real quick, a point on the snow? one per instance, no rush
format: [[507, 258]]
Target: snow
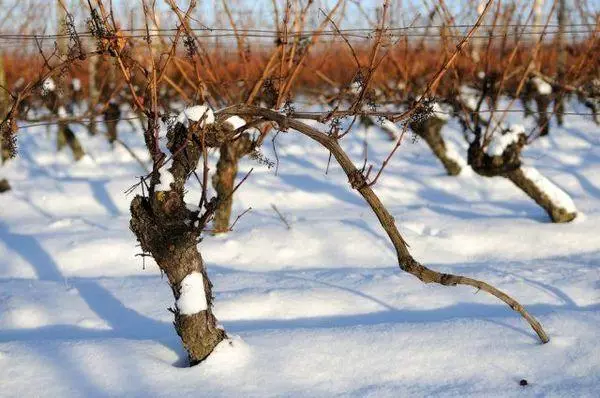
[[391, 127], [62, 112], [441, 112], [500, 142], [76, 83], [236, 122], [165, 178], [195, 113], [542, 86], [321, 309], [192, 299], [469, 97], [48, 85], [559, 197]]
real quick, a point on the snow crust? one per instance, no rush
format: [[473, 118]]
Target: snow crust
[[500, 142], [559, 197], [542, 86], [194, 114], [192, 297]]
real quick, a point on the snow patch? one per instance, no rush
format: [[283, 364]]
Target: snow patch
[[229, 354], [500, 142], [542, 86], [192, 298], [391, 127], [440, 112], [62, 112], [559, 197], [195, 113], [48, 85], [236, 122], [453, 154], [469, 97], [165, 177], [76, 84]]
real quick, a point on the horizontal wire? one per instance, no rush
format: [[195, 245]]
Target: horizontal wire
[[84, 120], [312, 32]]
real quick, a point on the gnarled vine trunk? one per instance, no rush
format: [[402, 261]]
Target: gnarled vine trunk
[[161, 224], [224, 179], [431, 131], [4, 185], [533, 184], [552, 199], [66, 136], [170, 232]]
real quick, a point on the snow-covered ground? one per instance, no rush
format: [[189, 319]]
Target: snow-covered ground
[[320, 309]]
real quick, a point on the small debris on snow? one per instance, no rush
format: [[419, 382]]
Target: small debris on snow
[[236, 122], [559, 197], [195, 113], [192, 297], [500, 142], [542, 86]]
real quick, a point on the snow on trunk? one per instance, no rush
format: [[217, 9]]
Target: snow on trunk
[[192, 298], [557, 203], [195, 113], [500, 142], [559, 197]]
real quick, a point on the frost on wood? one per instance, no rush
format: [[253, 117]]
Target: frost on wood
[[192, 299], [195, 113], [500, 142], [559, 197]]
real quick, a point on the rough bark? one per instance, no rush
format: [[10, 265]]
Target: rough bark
[[161, 225], [543, 120], [65, 136], [357, 181], [4, 185], [224, 179], [111, 118], [557, 214], [431, 131]]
